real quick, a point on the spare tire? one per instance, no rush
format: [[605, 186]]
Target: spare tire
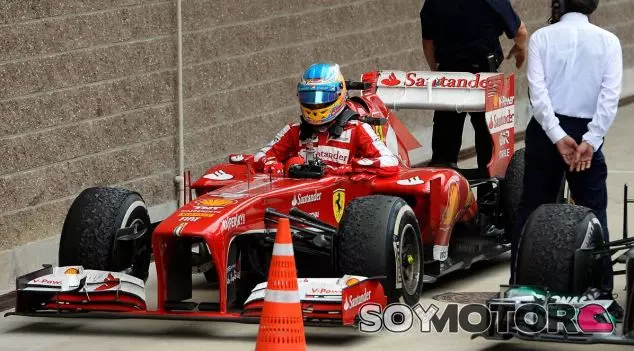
[[378, 236], [89, 232], [547, 246]]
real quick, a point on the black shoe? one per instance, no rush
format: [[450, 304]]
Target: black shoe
[[616, 311]]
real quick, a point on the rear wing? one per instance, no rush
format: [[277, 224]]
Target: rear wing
[[492, 93]]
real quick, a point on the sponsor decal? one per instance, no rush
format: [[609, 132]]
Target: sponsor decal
[[444, 82], [189, 219], [505, 135], [302, 199], [440, 253], [365, 162], [236, 158], [233, 273], [234, 221], [379, 132], [504, 101], [195, 214], [344, 137], [72, 271], [500, 119], [314, 214], [108, 283], [179, 229], [216, 202], [570, 300], [338, 203], [352, 302], [391, 81], [44, 281], [452, 204], [207, 208], [218, 175], [330, 153], [504, 153], [324, 291], [411, 181]]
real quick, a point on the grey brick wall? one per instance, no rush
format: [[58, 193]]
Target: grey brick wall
[[88, 87]]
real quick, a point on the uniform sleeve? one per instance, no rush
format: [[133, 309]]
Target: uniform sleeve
[[609, 95], [538, 92], [427, 17], [280, 148], [372, 152], [510, 19]]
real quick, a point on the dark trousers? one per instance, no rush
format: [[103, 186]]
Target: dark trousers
[[544, 172], [446, 138]]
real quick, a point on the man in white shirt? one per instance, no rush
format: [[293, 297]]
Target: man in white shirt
[[574, 71]]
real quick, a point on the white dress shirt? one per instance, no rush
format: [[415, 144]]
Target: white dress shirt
[[575, 69]]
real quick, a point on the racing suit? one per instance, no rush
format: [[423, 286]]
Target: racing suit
[[357, 149]]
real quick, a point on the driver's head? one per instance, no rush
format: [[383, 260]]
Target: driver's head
[[322, 93]]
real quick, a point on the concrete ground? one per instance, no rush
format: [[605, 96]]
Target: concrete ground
[[112, 335]]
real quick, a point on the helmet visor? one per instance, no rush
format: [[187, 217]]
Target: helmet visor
[[316, 97]]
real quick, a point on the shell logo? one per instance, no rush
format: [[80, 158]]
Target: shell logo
[[216, 202], [352, 281], [71, 271]]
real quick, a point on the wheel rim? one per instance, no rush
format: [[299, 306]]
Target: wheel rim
[[410, 260]]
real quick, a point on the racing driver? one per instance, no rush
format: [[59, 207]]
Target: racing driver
[[330, 128]]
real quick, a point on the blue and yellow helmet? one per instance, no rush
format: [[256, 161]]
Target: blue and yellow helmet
[[322, 93]]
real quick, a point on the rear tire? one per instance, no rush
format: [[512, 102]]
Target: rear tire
[[371, 234], [513, 189], [546, 251], [88, 234]]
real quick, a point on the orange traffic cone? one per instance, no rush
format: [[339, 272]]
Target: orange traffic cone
[[281, 323]]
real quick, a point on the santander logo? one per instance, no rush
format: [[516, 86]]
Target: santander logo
[[391, 81]]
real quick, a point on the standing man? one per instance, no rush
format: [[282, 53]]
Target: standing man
[[574, 72], [463, 36]]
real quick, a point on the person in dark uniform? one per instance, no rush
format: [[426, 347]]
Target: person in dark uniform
[[575, 73], [463, 36]]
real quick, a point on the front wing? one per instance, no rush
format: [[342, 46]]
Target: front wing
[[73, 292]]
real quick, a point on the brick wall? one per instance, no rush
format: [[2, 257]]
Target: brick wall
[[88, 89]]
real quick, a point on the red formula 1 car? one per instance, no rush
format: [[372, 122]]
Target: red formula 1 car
[[357, 239]]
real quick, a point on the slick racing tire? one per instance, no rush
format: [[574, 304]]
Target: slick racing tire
[[513, 189], [379, 237], [628, 321], [547, 246], [89, 232]]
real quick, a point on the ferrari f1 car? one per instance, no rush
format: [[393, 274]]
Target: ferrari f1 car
[[559, 260], [380, 238]]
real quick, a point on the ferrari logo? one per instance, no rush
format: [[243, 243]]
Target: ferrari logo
[[338, 203]]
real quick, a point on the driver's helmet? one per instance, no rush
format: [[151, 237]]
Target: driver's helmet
[[322, 93]]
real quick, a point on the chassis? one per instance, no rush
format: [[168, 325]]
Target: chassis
[[384, 237]]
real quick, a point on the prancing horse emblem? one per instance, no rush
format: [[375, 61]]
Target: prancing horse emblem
[[338, 203]]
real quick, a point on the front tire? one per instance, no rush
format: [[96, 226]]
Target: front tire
[[547, 246], [628, 321], [89, 232], [379, 236]]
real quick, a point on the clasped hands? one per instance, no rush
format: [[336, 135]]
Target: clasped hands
[[578, 157]]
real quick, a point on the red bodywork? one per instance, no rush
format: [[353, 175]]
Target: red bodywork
[[234, 204]]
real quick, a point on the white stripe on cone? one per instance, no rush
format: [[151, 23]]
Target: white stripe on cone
[[281, 296], [283, 250]]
